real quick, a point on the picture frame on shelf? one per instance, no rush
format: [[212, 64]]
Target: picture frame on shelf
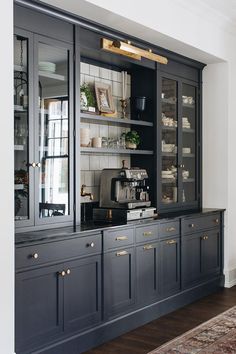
[[87, 98], [104, 98]]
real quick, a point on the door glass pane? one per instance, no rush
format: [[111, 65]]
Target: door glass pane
[[53, 107], [21, 139], [189, 143], [169, 143]]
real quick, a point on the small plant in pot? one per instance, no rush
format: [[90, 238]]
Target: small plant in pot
[[132, 140]]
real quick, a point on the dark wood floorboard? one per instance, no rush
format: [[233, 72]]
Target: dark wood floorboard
[[154, 334]]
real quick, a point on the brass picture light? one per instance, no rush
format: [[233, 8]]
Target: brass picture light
[[127, 49]]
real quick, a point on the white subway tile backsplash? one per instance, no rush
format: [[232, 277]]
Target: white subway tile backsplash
[[113, 161], [94, 70], [114, 75], [94, 162], [84, 162], [103, 131], [84, 68], [116, 89], [89, 178], [105, 73], [119, 77], [81, 79], [97, 175], [112, 132], [94, 130], [89, 79], [103, 161]]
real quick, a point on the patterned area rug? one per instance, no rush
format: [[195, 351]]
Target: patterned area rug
[[216, 336]]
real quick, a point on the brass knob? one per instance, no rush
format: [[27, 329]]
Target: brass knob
[[217, 221], [92, 244], [63, 273], [38, 164], [68, 271], [205, 237], [191, 225], [35, 255], [33, 164]]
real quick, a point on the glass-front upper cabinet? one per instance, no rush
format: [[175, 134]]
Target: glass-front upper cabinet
[[53, 105], [22, 151], [178, 135]]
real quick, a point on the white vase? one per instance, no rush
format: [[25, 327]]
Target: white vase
[[130, 145]]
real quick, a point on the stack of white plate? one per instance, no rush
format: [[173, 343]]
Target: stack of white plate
[[167, 174], [47, 66]]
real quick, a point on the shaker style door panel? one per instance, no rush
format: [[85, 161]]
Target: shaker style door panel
[[191, 259], [53, 134], [82, 293], [211, 255], [118, 281], [170, 266], [39, 306], [147, 261]]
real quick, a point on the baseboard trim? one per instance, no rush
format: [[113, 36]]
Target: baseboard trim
[[118, 326], [230, 278]]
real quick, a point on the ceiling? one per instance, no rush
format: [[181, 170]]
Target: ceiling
[[226, 8]]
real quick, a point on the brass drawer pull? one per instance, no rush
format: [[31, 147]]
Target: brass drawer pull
[[62, 274], [147, 247], [170, 229], [147, 233], [35, 255], [191, 225], [121, 253], [171, 242], [205, 237], [216, 221], [68, 271], [121, 238]]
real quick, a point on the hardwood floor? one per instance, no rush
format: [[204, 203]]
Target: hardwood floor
[[154, 334]]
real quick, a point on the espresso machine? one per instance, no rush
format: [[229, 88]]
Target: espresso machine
[[124, 195]]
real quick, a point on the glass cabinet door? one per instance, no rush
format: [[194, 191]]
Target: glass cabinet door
[[188, 152], [21, 129], [53, 134], [169, 141]]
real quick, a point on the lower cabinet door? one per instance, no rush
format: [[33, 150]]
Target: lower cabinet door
[[118, 282], [147, 265], [210, 251], [38, 307], [82, 293], [170, 266], [191, 259]]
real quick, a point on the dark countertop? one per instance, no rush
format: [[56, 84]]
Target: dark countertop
[[27, 238]]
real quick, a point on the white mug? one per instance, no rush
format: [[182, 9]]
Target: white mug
[[97, 142]]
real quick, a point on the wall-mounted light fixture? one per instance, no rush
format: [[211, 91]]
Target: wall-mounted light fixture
[[131, 51]]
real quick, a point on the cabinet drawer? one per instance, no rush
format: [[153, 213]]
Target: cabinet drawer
[[200, 223], [118, 238], [57, 251], [167, 229], [147, 233]]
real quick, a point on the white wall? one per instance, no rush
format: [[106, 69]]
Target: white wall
[[6, 181]]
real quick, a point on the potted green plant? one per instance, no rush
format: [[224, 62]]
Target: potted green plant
[[132, 139]]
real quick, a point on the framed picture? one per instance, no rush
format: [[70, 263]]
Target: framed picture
[[104, 98]]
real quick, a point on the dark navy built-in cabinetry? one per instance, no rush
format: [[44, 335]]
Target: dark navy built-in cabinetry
[[80, 284], [77, 290]]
